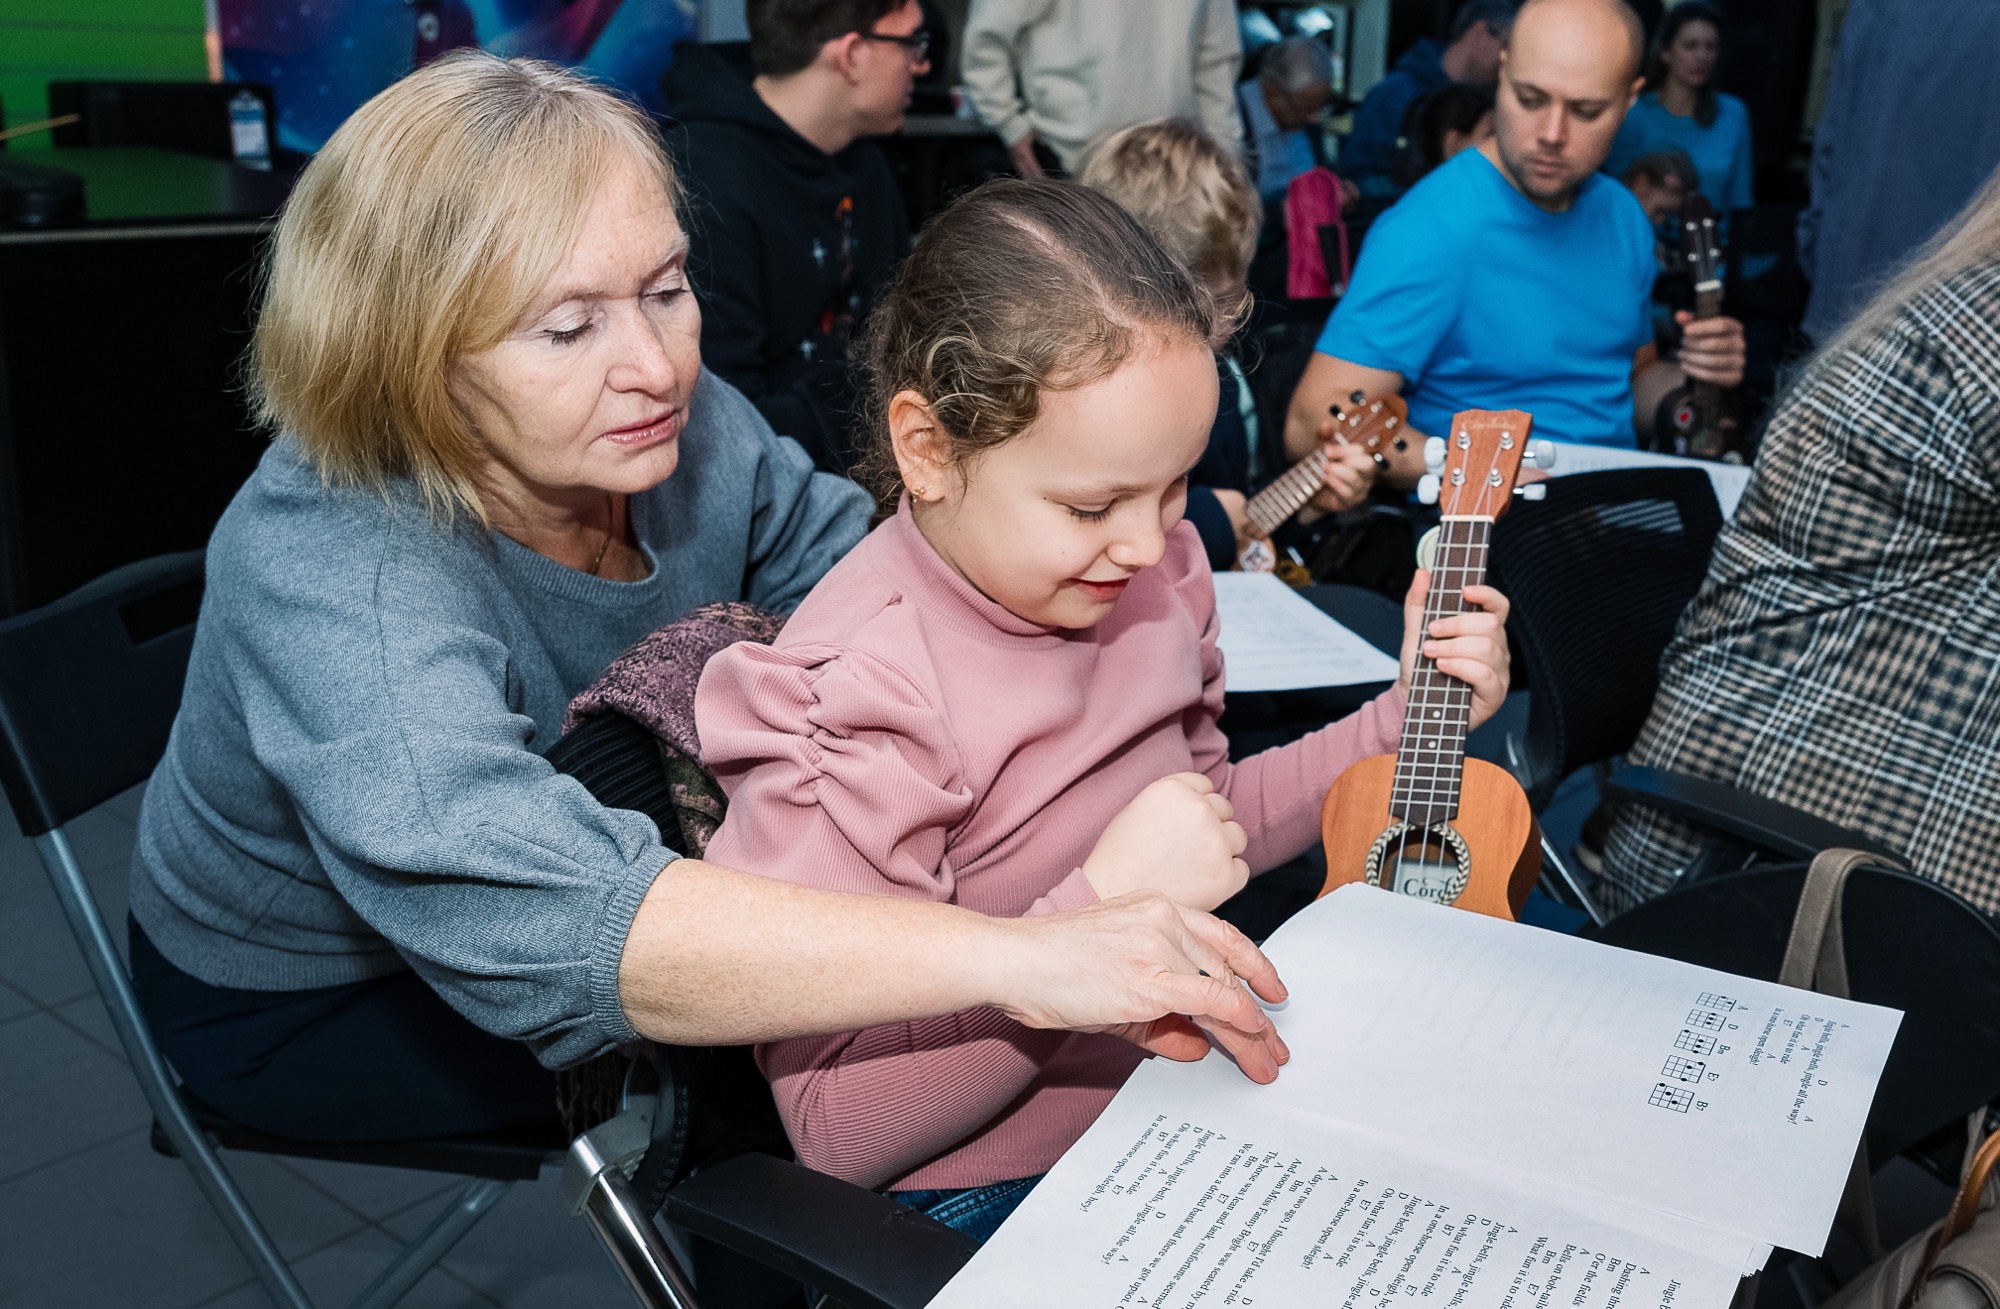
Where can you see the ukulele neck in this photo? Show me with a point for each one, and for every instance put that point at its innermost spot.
(1274, 506)
(1430, 762)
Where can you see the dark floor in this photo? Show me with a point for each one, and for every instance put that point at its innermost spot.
(90, 1216)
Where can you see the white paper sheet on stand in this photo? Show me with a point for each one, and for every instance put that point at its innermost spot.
(1274, 639)
(1728, 479)
(1478, 1115)
(1731, 1101)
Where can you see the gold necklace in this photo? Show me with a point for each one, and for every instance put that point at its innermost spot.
(610, 520)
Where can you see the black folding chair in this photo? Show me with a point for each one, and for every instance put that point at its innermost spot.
(89, 687)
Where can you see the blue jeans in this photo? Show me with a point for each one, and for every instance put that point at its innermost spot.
(976, 1211)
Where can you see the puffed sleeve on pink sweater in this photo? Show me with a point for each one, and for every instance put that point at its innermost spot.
(1276, 793)
(842, 776)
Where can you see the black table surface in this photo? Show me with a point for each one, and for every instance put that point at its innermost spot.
(135, 185)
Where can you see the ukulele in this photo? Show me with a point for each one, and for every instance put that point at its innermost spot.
(1369, 424)
(1427, 821)
(1703, 427)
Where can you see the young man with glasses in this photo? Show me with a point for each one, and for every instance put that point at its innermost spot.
(794, 216)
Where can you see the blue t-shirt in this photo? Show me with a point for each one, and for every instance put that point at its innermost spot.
(1483, 301)
(1721, 151)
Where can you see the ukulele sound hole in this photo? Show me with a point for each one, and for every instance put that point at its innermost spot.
(1430, 863)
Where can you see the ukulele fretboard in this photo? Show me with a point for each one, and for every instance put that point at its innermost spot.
(1274, 506)
(1431, 760)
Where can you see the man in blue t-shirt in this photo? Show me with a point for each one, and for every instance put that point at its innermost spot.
(1515, 276)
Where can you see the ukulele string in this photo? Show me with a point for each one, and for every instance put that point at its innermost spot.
(1449, 578)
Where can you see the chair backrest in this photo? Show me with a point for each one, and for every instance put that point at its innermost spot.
(191, 117)
(89, 687)
(1912, 944)
(1598, 574)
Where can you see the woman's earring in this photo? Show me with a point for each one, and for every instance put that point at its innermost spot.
(918, 492)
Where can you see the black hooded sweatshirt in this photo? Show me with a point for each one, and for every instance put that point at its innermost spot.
(790, 245)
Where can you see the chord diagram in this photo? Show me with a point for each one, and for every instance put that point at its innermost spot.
(1671, 1097)
(1708, 1018)
(1683, 1070)
(1712, 1000)
(1694, 1042)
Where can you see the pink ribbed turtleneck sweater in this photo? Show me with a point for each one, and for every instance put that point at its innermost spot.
(906, 736)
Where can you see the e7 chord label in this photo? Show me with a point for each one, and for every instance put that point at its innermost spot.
(1695, 1042)
(1671, 1097)
(1683, 1070)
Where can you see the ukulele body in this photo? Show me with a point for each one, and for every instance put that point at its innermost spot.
(1494, 821)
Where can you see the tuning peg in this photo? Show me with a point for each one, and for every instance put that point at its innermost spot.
(1434, 453)
(1357, 397)
(1542, 454)
(1428, 487)
(1533, 491)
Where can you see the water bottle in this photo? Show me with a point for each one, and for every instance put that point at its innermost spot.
(249, 139)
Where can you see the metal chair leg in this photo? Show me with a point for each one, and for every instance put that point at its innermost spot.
(1572, 885)
(100, 955)
(594, 1184)
(471, 1204)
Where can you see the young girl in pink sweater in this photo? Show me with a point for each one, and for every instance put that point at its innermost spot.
(965, 700)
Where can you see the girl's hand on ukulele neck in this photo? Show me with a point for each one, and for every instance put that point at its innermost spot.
(1177, 837)
(1471, 646)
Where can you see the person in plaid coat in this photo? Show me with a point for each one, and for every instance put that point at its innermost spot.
(1843, 655)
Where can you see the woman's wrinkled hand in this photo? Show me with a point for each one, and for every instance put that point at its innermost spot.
(1167, 978)
(1471, 646)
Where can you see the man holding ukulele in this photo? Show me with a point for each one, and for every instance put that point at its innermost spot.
(1516, 276)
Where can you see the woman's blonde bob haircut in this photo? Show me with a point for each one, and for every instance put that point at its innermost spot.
(419, 235)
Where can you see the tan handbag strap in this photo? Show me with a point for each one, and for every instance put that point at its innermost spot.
(1816, 960)
(1816, 954)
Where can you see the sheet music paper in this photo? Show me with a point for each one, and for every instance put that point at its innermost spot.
(1471, 1118)
(1728, 479)
(1732, 1102)
(1274, 639)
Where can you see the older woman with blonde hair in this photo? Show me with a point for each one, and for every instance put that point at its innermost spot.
(365, 905)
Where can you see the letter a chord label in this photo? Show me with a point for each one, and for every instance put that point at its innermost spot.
(1671, 1097)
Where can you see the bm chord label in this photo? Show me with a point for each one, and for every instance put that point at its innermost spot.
(1671, 1097)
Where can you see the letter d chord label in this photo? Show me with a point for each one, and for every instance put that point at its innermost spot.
(1675, 1098)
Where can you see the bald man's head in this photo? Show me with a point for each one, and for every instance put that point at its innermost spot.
(1601, 16)
(1571, 71)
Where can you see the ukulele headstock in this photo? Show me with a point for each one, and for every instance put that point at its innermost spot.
(1479, 462)
(1701, 243)
(1371, 424)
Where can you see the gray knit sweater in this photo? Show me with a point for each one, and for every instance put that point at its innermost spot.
(355, 784)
